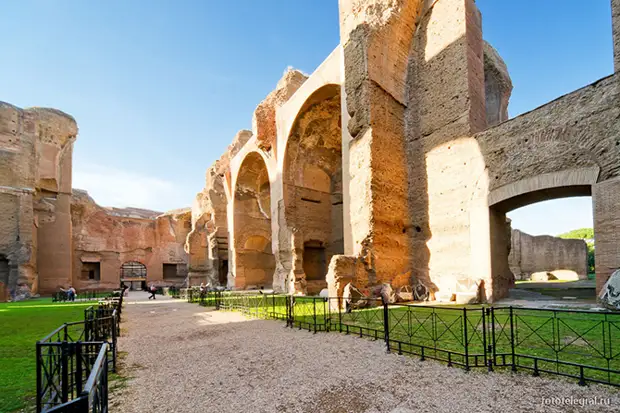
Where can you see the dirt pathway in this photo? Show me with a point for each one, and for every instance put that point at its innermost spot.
(184, 358)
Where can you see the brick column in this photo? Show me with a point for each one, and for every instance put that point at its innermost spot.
(605, 202)
(408, 90)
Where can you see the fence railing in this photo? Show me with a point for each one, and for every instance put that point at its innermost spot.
(584, 345)
(70, 373)
(84, 295)
(91, 396)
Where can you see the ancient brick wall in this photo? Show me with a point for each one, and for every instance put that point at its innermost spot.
(113, 236)
(423, 191)
(544, 253)
(35, 177)
(606, 202)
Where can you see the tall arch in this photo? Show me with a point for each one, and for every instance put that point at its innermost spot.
(254, 261)
(133, 274)
(312, 182)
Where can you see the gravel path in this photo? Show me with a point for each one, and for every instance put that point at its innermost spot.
(184, 358)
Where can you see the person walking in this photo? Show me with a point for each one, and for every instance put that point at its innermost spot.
(152, 290)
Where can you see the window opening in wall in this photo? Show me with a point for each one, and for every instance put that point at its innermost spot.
(91, 271)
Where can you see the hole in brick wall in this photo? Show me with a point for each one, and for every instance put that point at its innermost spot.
(314, 201)
(91, 271)
(315, 264)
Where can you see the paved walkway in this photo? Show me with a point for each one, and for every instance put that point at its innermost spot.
(185, 358)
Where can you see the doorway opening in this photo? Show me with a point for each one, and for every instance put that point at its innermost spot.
(550, 248)
(133, 274)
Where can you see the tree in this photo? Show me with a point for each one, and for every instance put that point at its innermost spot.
(581, 233)
(586, 234)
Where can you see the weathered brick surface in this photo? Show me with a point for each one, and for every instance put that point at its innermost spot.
(113, 236)
(35, 180)
(544, 253)
(606, 199)
(383, 153)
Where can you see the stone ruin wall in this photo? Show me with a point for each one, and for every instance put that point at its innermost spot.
(36, 147)
(112, 237)
(208, 241)
(47, 230)
(211, 252)
(299, 223)
(431, 164)
(568, 147)
(533, 254)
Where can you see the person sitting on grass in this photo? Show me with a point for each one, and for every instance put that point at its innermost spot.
(71, 293)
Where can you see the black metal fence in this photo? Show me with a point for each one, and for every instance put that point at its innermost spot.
(91, 396)
(584, 345)
(73, 362)
(85, 295)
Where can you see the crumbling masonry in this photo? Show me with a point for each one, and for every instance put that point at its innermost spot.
(393, 162)
(396, 160)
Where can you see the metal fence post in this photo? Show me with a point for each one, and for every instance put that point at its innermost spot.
(314, 316)
(64, 371)
(114, 343)
(465, 341)
(339, 303)
(488, 348)
(493, 338)
(512, 341)
(39, 378)
(325, 315)
(386, 324)
(292, 311)
(78, 368)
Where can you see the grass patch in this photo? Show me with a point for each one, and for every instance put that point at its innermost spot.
(22, 324)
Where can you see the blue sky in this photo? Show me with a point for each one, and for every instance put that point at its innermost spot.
(159, 88)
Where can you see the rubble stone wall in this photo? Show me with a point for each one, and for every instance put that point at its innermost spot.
(428, 163)
(530, 254)
(35, 191)
(113, 238)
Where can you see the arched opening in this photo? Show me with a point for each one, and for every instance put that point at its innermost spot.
(133, 274)
(547, 244)
(254, 259)
(312, 179)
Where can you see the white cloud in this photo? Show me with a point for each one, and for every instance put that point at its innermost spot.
(122, 188)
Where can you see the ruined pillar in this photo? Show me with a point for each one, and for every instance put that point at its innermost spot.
(56, 134)
(451, 224)
(615, 16)
(414, 82)
(376, 36)
(346, 193)
(605, 201)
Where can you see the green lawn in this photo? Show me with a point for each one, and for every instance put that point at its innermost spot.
(21, 325)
